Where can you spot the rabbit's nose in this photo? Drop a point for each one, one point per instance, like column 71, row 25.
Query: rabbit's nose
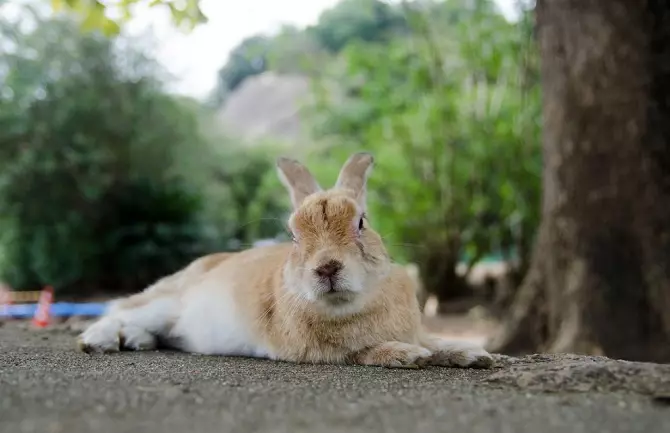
column 329, row 269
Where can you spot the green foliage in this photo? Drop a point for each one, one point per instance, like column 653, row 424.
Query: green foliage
column 249, row 58
column 293, row 51
column 357, row 20
column 452, row 115
column 445, row 93
column 249, row 205
column 140, row 241
column 108, row 17
column 107, row 182
column 306, row 52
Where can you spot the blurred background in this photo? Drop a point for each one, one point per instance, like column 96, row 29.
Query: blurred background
column 136, row 136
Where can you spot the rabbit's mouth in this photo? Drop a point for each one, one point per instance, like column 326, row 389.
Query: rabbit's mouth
column 333, row 291
column 338, row 297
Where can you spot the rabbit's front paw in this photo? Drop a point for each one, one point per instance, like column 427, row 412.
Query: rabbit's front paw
column 394, row 354
column 459, row 354
column 102, row 336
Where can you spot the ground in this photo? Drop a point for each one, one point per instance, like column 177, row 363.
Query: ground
column 46, row 386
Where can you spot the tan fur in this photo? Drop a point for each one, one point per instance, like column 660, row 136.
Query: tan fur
column 296, row 332
column 372, row 319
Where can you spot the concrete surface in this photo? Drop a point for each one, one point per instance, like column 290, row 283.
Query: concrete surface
column 47, row 387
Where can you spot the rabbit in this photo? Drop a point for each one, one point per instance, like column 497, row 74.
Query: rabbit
column 330, row 295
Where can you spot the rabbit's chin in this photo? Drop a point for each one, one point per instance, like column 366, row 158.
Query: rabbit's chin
column 338, row 299
column 338, row 303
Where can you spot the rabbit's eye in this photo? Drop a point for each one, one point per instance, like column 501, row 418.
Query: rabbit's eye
column 291, row 235
column 360, row 224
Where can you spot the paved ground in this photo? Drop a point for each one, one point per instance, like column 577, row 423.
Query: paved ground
column 47, row 387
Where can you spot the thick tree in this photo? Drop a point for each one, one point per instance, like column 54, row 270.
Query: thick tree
column 600, row 281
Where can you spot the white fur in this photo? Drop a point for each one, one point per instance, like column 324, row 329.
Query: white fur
column 152, row 317
column 211, row 323
column 137, row 327
column 103, row 335
column 138, row 338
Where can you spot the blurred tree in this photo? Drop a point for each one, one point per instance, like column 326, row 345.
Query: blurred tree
column 87, row 136
column 458, row 156
column 294, row 51
column 306, row 51
column 352, row 20
column 110, row 16
column 599, row 282
column 145, row 230
column 249, row 58
column 251, row 197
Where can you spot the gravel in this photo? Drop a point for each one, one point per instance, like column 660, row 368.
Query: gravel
column 46, row 386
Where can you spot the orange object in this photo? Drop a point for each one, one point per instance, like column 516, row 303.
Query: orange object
column 41, row 318
column 5, row 297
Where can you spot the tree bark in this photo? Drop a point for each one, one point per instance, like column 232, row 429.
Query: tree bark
column 599, row 280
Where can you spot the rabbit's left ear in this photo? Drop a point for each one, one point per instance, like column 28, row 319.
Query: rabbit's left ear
column 354, row 176
column 297, row 179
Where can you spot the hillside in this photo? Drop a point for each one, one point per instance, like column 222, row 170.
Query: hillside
column 267, row 106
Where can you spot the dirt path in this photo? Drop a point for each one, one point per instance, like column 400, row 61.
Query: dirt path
column 48, row 387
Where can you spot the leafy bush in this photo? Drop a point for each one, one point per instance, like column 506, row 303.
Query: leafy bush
column 455, row 132
column 146, row 231
column 250, row 204
column 93, row 183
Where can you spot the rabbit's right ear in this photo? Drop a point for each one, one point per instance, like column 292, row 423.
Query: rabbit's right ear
column 297, row 179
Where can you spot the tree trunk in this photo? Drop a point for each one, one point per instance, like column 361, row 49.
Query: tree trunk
column 599, row 280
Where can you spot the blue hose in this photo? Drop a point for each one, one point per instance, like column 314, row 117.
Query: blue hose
column 58, row 309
